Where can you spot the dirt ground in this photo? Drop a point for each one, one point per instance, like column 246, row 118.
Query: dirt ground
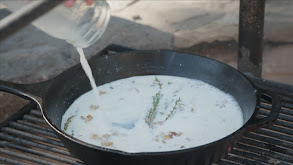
column 208, row 28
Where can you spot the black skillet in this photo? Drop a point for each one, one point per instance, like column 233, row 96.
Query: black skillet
column 56, row 95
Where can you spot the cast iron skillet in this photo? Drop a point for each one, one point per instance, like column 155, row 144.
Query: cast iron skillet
column 56, row 95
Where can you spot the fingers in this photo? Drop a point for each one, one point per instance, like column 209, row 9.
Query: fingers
column 69, row 3
column 89, row 2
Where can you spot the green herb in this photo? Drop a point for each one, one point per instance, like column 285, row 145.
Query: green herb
column 173, row 109
column 67, row 122
column 162, row 113
column 169, row 83
column 153, row 111
column 159, row 82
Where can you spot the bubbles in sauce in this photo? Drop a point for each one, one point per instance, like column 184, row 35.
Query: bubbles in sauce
column 153, row 113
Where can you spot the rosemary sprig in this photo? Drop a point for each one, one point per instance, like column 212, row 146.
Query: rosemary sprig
column 173, row 109
column 153, row 111
column 67, row 122
column 159, row 82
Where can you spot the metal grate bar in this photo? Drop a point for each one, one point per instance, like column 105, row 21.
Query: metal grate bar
column 283, row 111
column 268, row 140
column 12, row 161
column 35, row 152
column 242, row 160
column 284, row 124
column 262, row 148
column 281, row 115
column 35, row 126
column 226, row 162
column 274, row 135
column 26, row 156
column 31, row 129
column 30, row 136
column 34, row 119
column 36, row 113
column 33, row 144
column 250, row 155
column 281, row 129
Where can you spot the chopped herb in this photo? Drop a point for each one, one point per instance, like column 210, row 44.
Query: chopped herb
column 96, row 137
column 102, row 92
column 153, row 111
column 159, row 122
column 173, row 133
column 106, row 136
column 87, row 119
column 180, row 106
column 169, row 83
column 162, row 113
column 159, row 82
column 114, row 132
column 67, row 122
column 107, row 143
column 111, row 88
column 173, row 109
column 72, row 133
column 94, row 107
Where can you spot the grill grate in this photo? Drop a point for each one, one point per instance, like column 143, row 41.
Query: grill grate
column 25, row 138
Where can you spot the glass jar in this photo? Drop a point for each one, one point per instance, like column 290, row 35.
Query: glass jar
column 80, row 25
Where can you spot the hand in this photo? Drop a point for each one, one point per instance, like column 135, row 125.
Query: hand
column 70, row 3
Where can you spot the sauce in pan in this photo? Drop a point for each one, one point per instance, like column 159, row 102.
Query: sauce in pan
column 153, row 113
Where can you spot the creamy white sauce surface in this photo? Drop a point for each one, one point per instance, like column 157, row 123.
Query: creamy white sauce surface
column 119, row 120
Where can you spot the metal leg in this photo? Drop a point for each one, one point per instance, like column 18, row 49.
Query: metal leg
column 250, row 44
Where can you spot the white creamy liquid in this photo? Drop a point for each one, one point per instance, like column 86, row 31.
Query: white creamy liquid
column 88, row 71
column 202, row 115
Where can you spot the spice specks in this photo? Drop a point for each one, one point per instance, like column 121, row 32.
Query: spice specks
column 87, row 119
column 94, row 107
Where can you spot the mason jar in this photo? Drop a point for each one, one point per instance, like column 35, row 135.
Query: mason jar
column 80, row 25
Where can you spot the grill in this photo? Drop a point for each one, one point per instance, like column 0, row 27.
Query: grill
column 25, row 138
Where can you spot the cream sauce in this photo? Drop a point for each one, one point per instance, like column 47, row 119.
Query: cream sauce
column 203, row 114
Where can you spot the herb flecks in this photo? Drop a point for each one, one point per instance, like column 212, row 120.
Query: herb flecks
column 192, row 110
column 173, row 109
column 107, row 144
column 94, row 107
column 87, row 119
column 102, row 92
column 96, row 137
column 106, row 136
column 158, row 82
column 169, row 83
column 153, row 111
column 67, row 122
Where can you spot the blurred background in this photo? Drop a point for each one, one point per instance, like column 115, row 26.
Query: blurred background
column 208, row 28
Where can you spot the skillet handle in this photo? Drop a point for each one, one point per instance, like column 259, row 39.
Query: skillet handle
column 33, row 92
column 275, row 100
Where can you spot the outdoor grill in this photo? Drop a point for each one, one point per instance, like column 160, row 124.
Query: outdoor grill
column 25, row 138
